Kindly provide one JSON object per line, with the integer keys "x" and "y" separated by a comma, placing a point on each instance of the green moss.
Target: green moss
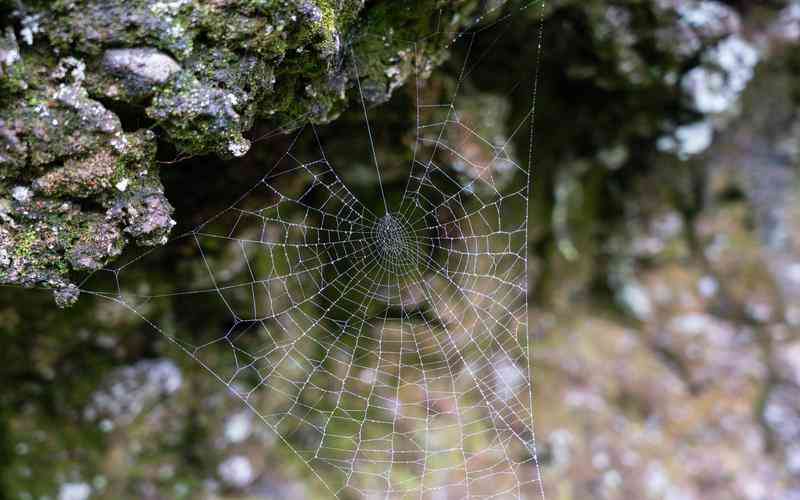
{"x": 329, "y": 18}
{"x": 25, "y": 244}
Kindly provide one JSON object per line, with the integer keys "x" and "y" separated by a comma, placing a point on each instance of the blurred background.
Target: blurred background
{"x": 664, "y": 276}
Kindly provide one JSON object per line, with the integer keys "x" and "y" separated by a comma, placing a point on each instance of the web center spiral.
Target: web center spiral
{"x": 396, "y": 245}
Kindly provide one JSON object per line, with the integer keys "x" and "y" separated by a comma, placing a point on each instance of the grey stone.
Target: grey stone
{"x": 140, "y": 68}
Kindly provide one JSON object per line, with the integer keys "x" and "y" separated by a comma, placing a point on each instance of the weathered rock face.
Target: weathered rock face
{"x": 77, "y": 183}
{"x": 75, "y": 180}
{"x": 138, "y": 71}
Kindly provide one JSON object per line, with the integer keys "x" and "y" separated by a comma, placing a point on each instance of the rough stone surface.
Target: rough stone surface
{"x": 63, "y": 153}
{"x": 82, "y": 183}
{"x": 139, "y": 70}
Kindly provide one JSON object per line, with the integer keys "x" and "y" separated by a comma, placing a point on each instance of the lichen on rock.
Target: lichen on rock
{"x": 63, "y": 156}
{"x": 78, "y": 182}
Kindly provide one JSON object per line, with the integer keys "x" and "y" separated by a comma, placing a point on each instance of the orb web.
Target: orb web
{"x": 384, "y": 343}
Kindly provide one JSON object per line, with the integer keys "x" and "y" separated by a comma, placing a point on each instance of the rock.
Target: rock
{"x": 12, "y": 77}
{"x": 21, "y": 193}
{"x": 195, "y": 113}
{"x": 94, "y": 247}
{"x": 66, "y": 295}
{"x": 129, "y": 390}
{"x": 236, "y": 471}
{"x": 147, "y": 216}
{"x": 80, "y": 178}
{"x": 727, "y": 68}
{"x": 67, "y": 146}
{"x": 75, "y": 491}
{"x": 139, "y": 69}
{"x": 90, "y": 72}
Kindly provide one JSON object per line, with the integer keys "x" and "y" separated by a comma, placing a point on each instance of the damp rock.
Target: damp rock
{"x": 84, "y": 82}
{"x": 74, "y": 491}
{"x": 130, "y": 390}
{"x": 138, "y": 70}
{"x": 12, "y": 76}
{"x": 79, "y": 177}
{"x": 239, "y": 148}
{"x": 66, "y": 295}
{"x": 60, "y": 145}
{"x": 95, "y": 246}
{"x": 147, "y": 217}
{"x": 21, "y": 193}
{"x": 236, "y": 471}
{"x": 727, "y": 68}
{"x": 9, "y": 50}
{"x": 198, "y": 114}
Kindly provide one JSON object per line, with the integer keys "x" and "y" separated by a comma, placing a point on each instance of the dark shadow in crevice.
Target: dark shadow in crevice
{"x": 131, "y": 116}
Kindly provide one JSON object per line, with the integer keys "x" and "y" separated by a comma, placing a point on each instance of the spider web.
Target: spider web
{"x": 385, "y": 344}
